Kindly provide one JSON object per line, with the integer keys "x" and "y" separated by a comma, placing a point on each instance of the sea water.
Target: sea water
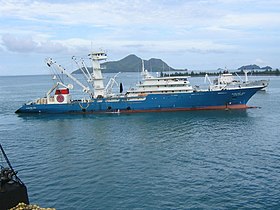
{"x": 226, "y": 159}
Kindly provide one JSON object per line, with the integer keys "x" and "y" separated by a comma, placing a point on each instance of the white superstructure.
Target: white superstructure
{"x": 160, "y": 85}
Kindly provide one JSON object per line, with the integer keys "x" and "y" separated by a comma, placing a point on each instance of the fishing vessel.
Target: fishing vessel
{"x": 151, "y": 94}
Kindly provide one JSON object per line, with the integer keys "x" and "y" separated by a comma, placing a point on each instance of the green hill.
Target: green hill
{"x": 254, "y": 67}
{"x": 132, "y": 63}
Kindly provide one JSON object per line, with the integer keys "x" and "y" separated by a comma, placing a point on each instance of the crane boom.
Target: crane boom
{"x": 50, "y": 62}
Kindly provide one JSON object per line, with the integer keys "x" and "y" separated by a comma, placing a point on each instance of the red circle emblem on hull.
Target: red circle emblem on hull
{"x": 60, "y": 98}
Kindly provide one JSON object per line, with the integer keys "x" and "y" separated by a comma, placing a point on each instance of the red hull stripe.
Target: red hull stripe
{"x": 239, "y": 106}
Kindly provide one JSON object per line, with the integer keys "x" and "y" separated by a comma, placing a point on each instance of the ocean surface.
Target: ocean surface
{"x": 173, "y": 160}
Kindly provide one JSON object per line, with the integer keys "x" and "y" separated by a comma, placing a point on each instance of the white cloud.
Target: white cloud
{"x": 152, "y": 46}
{"x": 19, "y": 45}
{"x": 28, "y": 44}
{"x": 100, "y": 13}
{"x": 122, "y": 13}
{"x": 260, "y": 62}
{"x": 253, "y": 20}
{"x": 77, "y": 45}
{"x": 244, "y": 28}
{"x": 135, "y": 18}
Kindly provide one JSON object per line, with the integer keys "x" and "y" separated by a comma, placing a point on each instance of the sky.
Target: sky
{"x": 192, "y": 34}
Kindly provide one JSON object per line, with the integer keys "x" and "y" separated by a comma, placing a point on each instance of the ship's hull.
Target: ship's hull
{"x": 221, "y": 99}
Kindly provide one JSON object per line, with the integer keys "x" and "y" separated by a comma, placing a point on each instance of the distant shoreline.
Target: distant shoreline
{"x": 188, "y": 73}
{"x": 198, "y": 74}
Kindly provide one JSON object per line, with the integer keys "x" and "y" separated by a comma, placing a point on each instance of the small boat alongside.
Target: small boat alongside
{"x": 227, "y": 81}
{"x": 151, "y": 94}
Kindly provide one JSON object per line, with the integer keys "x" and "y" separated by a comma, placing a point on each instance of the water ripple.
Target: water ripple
{"x": 181, "y": 160}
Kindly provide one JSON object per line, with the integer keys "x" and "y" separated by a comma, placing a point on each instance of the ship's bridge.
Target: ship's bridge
{"x": 98, "y": 56}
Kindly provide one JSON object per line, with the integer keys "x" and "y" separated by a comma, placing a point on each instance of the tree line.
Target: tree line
{"x": 267, "y": 72}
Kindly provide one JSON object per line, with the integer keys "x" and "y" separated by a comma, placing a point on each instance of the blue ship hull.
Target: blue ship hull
{"x": 222, "y": 99}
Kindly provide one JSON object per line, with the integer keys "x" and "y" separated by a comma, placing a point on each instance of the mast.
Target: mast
{"x": 246, "y": 75}
{"x": 145, "y": 72}
{"x": 98, "y": 84}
